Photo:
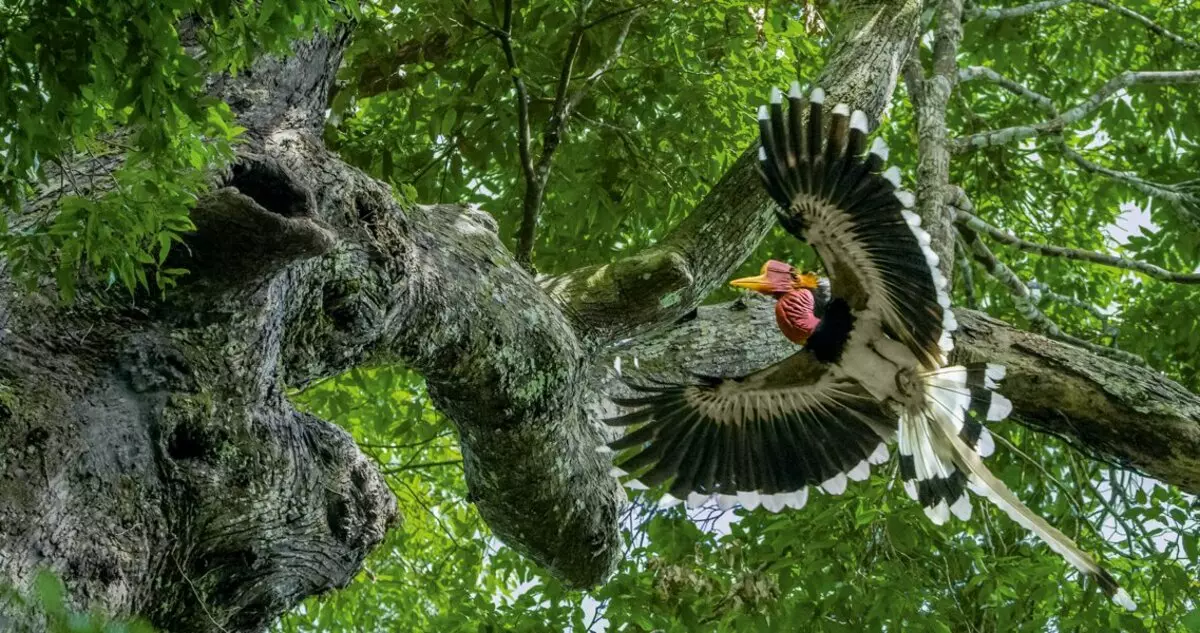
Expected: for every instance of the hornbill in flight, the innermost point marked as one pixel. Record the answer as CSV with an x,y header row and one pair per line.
x,y
872,369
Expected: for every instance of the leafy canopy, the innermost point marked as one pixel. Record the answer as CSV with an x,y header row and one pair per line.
x,y
647,143
104,102
425,103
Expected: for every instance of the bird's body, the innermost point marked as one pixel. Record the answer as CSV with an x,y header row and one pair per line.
x,y
872,369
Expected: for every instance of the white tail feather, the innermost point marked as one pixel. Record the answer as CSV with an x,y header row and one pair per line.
x,y
985,483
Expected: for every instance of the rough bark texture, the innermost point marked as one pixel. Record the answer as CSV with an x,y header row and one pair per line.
x,y
1132,415
148,456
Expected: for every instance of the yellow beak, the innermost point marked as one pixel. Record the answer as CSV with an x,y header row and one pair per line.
x,y
757,283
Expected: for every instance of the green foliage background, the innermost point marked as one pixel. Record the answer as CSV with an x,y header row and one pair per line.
x,y
646,144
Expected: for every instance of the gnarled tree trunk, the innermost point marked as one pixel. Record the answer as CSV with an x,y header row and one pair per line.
x,y
148,454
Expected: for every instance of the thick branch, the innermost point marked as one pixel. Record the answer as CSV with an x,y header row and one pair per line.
x,y
1133,415
699,254
933,166
1150,270
1075,114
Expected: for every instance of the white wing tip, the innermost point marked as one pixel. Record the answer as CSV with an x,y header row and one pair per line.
x,y
910,489
939,513
773,503
858,121
762,113
913,219
906,198
880,455
931,257
1122,598
861,471
949,323
879,147
999,408
995,372
616,472
725,502
749,500
817,96
776,95
798,499
794,91
696,499
835,485
892,175
841,109
634,484
961,508
604,450
669,501
985,445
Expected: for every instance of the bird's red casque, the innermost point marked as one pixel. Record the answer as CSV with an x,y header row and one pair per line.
x,y
795,304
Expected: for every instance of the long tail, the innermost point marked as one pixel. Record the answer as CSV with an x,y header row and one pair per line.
x,y
941,448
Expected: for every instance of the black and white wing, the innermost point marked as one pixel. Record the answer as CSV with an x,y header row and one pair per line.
x,y
833,193
761,438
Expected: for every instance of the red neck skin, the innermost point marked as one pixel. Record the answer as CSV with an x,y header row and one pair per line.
x,y
794,315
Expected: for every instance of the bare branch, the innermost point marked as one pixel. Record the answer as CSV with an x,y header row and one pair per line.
x,y
1057,124
1038,99
564,105
418,466
1040,291
987,14
914,77
1184,196
974,223
1025,304
504,35
1154,27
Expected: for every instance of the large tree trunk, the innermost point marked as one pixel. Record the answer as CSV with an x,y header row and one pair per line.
x,y
149,456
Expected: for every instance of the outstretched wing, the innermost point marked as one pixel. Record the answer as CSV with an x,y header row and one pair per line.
x,y
833,195
762,437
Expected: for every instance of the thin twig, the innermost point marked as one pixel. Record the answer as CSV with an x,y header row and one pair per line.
x,y
1184,196
1056,124
1150,270
987,14
1153,26
537,175
399,469
1027,308
1042,291
971,73
966,275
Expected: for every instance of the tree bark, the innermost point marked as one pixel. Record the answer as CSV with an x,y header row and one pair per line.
x,y
149,456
